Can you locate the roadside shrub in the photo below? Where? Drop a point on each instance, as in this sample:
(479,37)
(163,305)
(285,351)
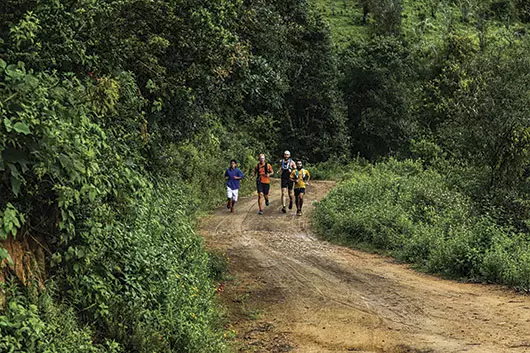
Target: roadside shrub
(413,214)
(125,259)
(336,168)
(39,325)
(508,261)
(145,277)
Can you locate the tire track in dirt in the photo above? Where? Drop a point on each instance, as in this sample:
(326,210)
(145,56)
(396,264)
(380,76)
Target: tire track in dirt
(293,292)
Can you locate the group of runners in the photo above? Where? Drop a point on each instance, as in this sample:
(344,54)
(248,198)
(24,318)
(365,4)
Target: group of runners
(294,180)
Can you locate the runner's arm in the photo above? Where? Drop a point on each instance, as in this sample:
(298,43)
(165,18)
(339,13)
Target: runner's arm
(271,170)
(239,176)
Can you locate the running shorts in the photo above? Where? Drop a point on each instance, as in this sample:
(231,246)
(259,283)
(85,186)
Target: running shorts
(232,194)
(263,188)
(299,191)
(286,181)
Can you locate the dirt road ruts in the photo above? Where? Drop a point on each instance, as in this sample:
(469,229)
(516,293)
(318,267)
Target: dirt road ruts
(292,292)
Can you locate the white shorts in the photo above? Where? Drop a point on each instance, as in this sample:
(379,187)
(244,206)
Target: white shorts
(232,194)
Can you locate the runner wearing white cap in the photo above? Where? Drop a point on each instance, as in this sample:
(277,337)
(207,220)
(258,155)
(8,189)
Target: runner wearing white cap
(287,165)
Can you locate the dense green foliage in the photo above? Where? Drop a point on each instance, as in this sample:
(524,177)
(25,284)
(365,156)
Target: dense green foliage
(416,216)
(117,119)
(31,325)
(446,83)
(130,267)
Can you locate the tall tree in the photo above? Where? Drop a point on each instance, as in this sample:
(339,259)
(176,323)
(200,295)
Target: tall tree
(377,84)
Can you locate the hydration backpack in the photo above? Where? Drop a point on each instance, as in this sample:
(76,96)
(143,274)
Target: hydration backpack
(265,171)
(287,165)
(304,174)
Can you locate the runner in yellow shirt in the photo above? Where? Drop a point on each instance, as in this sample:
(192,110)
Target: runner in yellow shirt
(301,178)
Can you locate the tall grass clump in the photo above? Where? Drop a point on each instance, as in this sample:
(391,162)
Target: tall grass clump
(414,215)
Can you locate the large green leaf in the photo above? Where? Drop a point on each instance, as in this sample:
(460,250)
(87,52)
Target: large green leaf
(16,178)
(22,128)
(5,255)
(14,71)
(12,155)
(15,185)
(8,125)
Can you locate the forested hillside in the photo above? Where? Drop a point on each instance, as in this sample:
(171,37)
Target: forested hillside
(119,116)
(445,83)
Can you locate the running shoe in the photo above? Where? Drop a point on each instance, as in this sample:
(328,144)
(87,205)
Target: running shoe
(260,212)
(299,213)
(290,205)
(266,202)
(283,210)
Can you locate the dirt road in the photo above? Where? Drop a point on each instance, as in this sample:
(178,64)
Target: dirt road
(292,292)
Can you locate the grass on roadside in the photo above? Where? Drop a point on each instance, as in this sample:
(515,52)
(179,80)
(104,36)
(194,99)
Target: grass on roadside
(412,214)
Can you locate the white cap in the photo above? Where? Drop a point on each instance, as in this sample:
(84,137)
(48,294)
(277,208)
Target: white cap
(287,152)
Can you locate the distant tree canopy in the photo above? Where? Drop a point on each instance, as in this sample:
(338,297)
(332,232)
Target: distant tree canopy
(240,61)
(451,75)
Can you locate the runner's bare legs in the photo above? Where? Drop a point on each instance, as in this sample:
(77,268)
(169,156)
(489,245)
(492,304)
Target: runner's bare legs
(284,196)
(300,201)
(260,197)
